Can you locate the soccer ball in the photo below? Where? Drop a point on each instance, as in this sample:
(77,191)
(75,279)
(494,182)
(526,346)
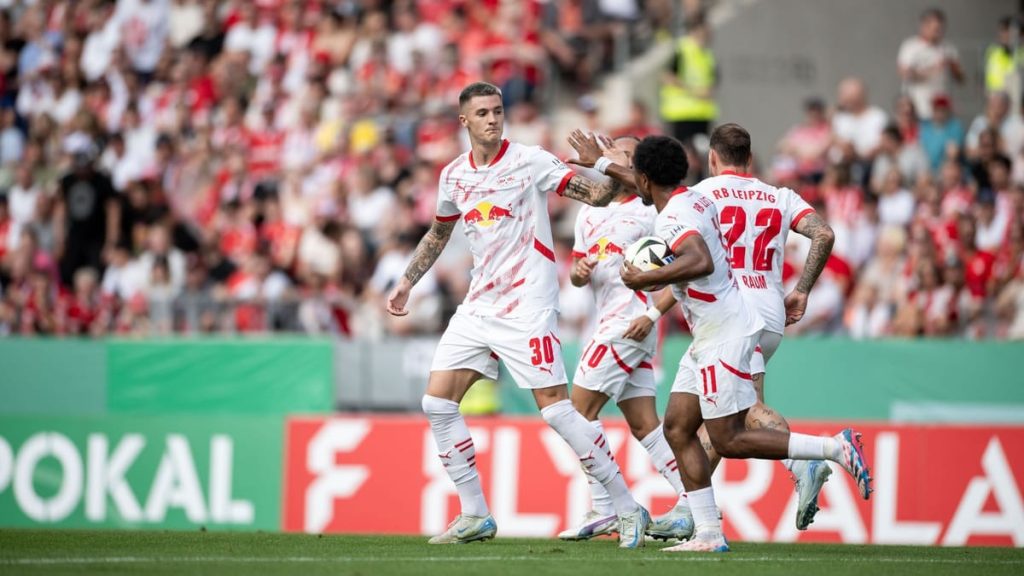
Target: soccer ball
(649,253)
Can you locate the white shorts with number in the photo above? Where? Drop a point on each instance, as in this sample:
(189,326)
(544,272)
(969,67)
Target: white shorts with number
(719,374)
(529,347)
(618,367)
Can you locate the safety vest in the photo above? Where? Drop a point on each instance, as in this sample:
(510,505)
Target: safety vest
(999,64)
(697,70)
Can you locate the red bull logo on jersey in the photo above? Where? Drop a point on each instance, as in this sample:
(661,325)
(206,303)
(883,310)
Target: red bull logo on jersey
(486,214)
(604,248)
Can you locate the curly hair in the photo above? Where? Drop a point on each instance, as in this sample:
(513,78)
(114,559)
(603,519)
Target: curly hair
(662,159)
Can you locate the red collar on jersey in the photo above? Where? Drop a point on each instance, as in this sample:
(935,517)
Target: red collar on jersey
(630,199)
(677,191)
(501,152)
(734,173)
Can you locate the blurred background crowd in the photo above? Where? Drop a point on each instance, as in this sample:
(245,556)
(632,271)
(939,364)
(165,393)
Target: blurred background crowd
(225,166)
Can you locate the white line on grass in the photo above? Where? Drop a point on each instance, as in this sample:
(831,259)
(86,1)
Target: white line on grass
(626,557)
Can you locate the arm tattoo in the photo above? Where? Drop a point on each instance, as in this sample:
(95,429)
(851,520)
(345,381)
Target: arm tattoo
(590,192)
(428,250)
(822,237)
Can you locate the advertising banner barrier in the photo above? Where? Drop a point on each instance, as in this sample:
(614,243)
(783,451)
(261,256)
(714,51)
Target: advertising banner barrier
(141,472)
(935,485)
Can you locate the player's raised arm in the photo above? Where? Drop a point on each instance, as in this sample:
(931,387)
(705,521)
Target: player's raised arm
(427,251)
(822,237)
(590,155)
(692,260)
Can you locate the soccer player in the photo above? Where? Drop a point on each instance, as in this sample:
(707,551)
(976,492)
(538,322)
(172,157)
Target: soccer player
(713,385)
(499,191)
(616,364)
(755,219)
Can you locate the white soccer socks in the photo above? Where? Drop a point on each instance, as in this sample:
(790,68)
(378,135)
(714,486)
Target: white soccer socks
(665,462)
(601,500)
(455,448)
(808,447)
(593,450)
(704,510)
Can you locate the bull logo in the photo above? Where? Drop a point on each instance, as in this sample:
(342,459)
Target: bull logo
(486,214)
(604,248)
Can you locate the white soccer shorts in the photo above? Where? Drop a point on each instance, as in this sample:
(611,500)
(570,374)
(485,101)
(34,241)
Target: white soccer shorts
(719,375)
(529,347)
(618,367)
(764,351)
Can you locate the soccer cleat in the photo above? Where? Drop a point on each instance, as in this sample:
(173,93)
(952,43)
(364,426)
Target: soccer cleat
(676,523)
(853,460)
(810,476)
(632,528)
(703,541)
(466,529)
(593,524)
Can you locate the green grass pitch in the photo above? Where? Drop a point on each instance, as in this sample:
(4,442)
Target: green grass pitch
(111,552)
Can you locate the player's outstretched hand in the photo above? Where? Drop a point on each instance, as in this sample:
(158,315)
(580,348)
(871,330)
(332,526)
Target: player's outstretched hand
(614,153)
(796,304)
(639,328)
(399,297)
(631,276)
(586,147)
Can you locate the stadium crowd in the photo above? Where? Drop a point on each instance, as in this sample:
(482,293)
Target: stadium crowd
(196,166)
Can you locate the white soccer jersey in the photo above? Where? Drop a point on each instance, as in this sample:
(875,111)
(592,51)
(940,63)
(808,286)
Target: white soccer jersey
(755,219)
(603,234)
(504,207)
(712,305)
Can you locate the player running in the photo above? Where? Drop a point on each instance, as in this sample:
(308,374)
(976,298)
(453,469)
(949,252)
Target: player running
(616,364)
(713,385)
(755,219)
(499,190)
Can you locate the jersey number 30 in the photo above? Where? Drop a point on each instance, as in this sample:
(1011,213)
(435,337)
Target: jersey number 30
(768,219)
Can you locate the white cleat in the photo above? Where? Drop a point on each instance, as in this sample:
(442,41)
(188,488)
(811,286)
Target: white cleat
(703,541)
(632,528)
(677,524)
(466,529)
(593,524)
(810,476)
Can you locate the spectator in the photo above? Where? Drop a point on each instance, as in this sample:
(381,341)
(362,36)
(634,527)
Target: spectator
(857,126)
(23,201)
(143,27)
(927,63)
(1000,62)
(570,37)
(688,84)
(896,204)
(996,115)
(942,137)
(906,158)
(88,213)
(804,147)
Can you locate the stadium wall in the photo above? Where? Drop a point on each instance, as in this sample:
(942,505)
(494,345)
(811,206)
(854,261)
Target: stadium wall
(238,435)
